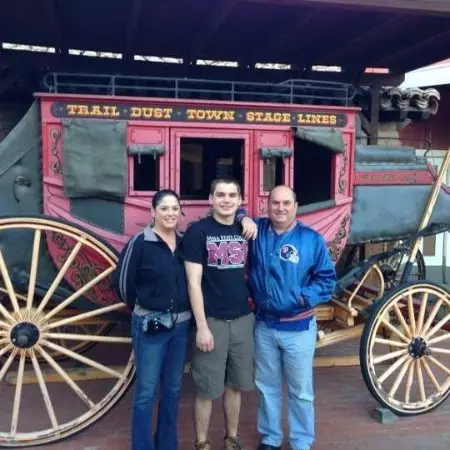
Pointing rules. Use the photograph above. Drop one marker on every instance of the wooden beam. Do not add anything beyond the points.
(33, 61)
(374, 114)
(354, 45)
(301, 22)
(217, 16)
(7, 81)
(130, 34)
(437, 7)
(416, 49)
(53, 17)
(365, 124)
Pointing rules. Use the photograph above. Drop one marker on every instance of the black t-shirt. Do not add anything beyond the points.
(222, 251)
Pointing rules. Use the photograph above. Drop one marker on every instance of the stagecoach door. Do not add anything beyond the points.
(198, 156)
(273, 165)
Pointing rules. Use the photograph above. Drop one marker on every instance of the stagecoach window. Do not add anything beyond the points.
(273, 173)
(312, 172)
(203, 159)
(146, 173)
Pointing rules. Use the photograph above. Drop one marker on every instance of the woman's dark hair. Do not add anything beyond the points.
(157, 199)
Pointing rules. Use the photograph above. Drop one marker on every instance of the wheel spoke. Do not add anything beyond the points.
(7, 363)
(33, 268)
(437, 327)
(79, 317)
(444, 351)
(389, 356)
(79, 293)
(420, 380)
(423, 308)
(399, 378)
(432, 316)
(44, 391)
(18, 394)
(9, 286)
(5, 349)
(401, 319)
(390, 342)
(58, 369)
(87, 337)
(81, 358)
(394, 330)
(412, 319)
(392, 369)
(409, 382)
(4, 325)
(6, 314)
(58, 278)
(442, 337)
(439, 364)
(431, 375)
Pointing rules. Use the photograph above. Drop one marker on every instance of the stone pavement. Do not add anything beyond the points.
(344, 422)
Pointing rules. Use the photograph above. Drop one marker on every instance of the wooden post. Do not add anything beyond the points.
(374, 114)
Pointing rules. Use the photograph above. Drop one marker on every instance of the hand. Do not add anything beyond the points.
(205, 340)
(249, 228)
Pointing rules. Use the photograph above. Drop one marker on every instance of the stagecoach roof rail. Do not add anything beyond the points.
(295, 91)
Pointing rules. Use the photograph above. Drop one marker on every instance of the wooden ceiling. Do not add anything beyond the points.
(397, 34)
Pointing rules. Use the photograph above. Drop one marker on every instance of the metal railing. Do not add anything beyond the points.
(295, 91)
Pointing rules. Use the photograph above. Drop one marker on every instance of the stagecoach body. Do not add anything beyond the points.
(77, 176)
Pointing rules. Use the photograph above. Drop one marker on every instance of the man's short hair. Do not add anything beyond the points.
(294, 195)
(215, 182)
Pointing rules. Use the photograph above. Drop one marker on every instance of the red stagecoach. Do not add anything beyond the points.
(77, 175)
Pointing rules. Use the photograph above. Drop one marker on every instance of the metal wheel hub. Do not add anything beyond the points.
(25, 335)
(418, 348)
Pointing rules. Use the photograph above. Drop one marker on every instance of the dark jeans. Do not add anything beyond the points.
(159, 358)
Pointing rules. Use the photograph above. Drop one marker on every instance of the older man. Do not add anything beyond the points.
(291, 273)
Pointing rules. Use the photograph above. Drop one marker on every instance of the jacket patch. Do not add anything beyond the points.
(289, 253)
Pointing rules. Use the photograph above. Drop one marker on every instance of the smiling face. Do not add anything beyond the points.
(282, 207)
(167, 213)
(225, 200)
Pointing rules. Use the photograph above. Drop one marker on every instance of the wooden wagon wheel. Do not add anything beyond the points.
(57, 404)
(410, 374)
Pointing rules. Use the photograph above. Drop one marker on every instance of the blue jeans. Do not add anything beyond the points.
(285, 354)
(159, 358)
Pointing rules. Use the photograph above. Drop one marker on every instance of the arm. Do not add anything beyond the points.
(194, 274)
(249, 225)
(322, 281)
(124, 277)
(193, 249)
(204, 338)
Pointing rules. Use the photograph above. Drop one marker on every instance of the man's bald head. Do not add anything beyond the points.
(285, 190)
(282, 206)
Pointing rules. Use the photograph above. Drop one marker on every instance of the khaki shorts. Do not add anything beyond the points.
(231, 363)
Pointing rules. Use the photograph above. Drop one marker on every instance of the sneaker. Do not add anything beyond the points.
(232, 443)
(203, 445)
(268, 447)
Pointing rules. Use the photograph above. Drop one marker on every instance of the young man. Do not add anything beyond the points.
(215, 254)
(291, 273)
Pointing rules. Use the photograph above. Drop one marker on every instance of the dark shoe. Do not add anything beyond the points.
(232, 443)
(204, 445)
(268, 447)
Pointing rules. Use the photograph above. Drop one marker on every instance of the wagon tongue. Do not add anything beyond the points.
(25, 335)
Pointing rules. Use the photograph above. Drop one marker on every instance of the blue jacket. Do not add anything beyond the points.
(151, 275)
(290, 273)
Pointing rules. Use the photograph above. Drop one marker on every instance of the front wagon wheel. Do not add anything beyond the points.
(405, 349)
(43, 398)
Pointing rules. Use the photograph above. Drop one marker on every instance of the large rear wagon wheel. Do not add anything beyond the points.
(60, 400)
(409, 370)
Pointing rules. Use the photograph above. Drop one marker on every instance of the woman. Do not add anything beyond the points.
(150, 277)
